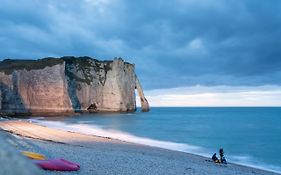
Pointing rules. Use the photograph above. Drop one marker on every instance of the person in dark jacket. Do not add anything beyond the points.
(222, 158)
(215, 159)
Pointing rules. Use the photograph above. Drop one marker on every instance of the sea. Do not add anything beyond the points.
(249, 135)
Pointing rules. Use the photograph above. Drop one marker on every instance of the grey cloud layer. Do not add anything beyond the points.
(173, 43)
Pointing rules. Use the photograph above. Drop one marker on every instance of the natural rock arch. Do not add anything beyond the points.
(143, 100)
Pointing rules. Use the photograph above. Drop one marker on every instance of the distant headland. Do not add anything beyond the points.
(68, 85)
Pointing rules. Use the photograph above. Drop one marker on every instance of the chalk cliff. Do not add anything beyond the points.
(68, 84)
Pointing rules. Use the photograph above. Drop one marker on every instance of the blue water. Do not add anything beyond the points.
(250, 136)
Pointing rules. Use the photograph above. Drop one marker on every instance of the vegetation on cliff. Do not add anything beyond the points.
(85, 65)
(9, 65)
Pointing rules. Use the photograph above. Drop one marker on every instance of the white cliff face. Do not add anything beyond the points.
(73, 85)
(119, 89)
(102, 86)
(35, 91)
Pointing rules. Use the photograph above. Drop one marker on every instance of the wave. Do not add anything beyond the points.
(3, 118)
(119, 135)
(91, 129)
(253, 162)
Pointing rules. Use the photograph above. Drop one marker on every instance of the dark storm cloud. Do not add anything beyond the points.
(172, 43)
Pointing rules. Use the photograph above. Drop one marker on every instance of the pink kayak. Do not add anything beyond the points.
(57, 165)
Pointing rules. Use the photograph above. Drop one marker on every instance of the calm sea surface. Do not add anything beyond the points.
(249, 136)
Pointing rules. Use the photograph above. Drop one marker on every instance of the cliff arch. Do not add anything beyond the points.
(143, 100)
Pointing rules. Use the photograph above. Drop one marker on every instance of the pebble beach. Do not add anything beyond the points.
(100, 155)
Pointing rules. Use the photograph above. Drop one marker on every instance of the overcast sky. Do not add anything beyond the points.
(175, 44)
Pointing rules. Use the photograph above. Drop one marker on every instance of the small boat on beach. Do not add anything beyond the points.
(57, 165)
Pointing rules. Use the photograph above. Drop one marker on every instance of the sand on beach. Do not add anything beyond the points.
(99, 155)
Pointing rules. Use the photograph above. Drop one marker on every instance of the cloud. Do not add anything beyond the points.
(216, 96)
(173, 43)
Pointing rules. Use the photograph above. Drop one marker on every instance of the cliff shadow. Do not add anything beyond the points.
(71, 89)
(11, 100)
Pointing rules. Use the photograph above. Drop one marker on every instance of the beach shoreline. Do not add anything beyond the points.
(129, 158)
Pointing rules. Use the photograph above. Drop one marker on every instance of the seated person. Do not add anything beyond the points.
(215, 159)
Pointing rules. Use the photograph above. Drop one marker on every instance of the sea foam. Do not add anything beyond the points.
(119, 135)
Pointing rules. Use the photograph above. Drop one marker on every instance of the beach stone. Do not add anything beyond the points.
(12, 162)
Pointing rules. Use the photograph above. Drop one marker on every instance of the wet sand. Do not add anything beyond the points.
(99, 155)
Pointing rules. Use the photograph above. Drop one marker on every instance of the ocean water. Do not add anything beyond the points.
(249, 135)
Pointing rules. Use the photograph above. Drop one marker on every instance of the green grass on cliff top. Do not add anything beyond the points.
(9, 65)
